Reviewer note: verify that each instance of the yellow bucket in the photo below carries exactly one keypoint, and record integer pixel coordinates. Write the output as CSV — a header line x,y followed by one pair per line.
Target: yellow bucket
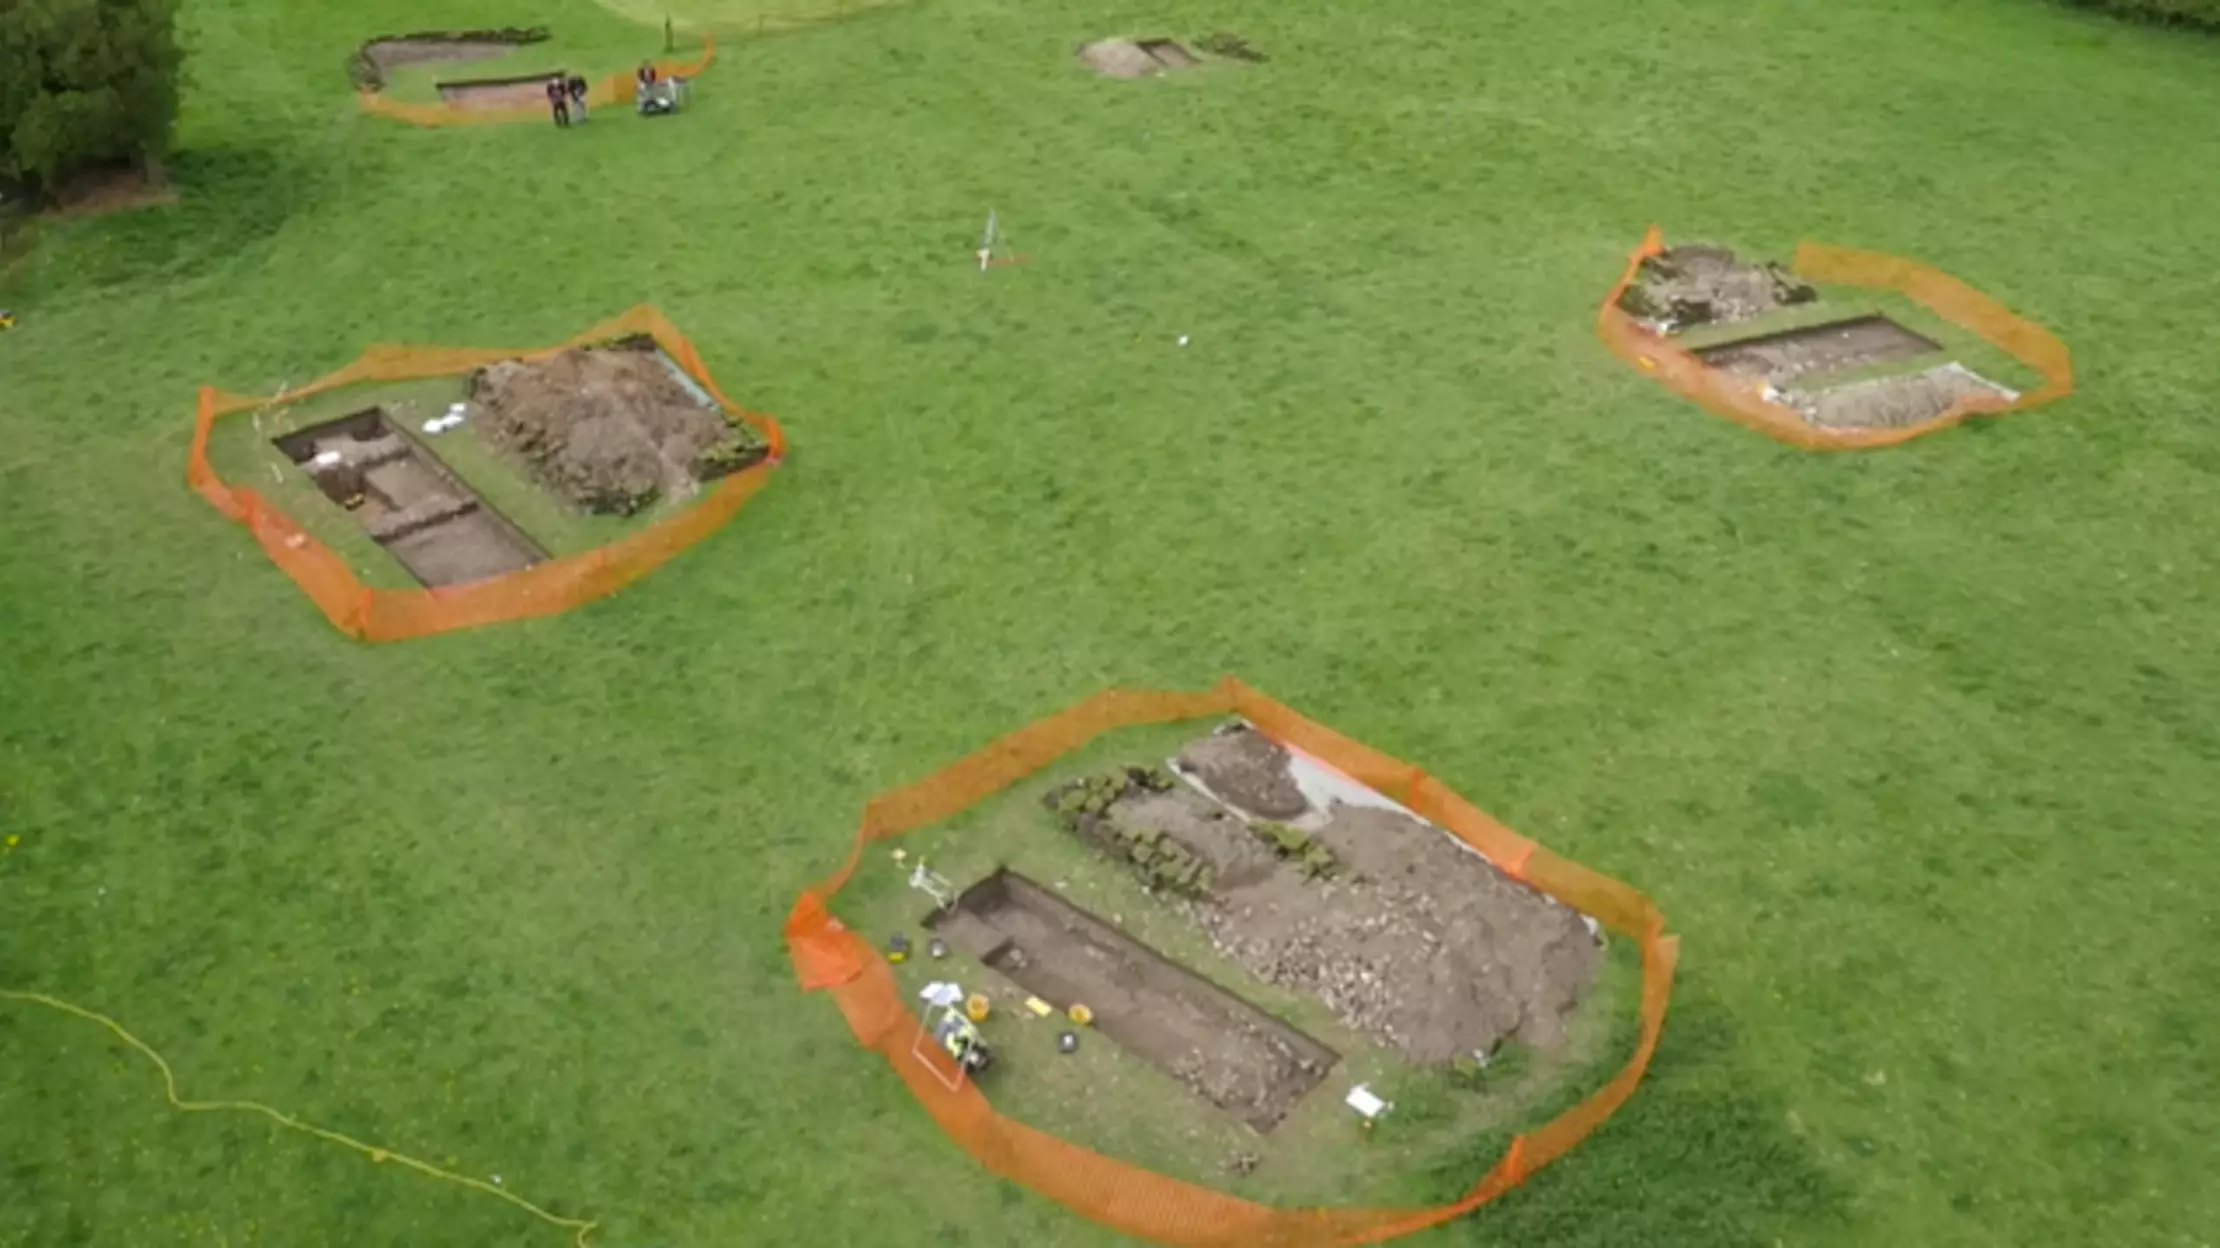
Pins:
x,y
976,1007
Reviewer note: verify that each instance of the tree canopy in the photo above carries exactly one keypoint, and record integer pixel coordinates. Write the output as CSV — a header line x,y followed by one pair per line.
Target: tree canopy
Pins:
x,y
85,83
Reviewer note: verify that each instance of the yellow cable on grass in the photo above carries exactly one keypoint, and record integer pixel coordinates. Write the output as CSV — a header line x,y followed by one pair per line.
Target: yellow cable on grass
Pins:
x,y
580,1229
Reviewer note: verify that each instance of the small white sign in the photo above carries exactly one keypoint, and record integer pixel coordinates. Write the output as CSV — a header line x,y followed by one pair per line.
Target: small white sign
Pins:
x,y
1362,1099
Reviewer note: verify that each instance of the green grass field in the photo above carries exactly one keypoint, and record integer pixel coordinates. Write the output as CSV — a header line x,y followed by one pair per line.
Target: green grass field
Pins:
x,y
1917,749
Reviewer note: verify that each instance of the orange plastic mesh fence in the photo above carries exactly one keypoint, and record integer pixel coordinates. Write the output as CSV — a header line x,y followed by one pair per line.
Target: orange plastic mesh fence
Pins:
x,y
830,957
542,589
612,90
1742,399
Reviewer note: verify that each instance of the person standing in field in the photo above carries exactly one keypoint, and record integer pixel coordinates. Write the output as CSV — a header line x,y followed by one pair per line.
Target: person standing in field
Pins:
x,y
558,101
577,89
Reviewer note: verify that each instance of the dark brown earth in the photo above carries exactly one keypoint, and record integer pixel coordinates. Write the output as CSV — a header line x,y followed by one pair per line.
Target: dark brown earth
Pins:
x,y
1893,402
1410,937
1697,284
1231,1053
1426,946
1834,347
408,501
611,429
1247,769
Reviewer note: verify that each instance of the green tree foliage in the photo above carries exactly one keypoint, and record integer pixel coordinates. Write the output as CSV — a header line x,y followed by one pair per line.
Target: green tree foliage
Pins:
x,y
2204,13
85,83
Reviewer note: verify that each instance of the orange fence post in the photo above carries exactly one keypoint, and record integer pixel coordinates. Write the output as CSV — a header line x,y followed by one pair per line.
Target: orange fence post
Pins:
x,y
829,957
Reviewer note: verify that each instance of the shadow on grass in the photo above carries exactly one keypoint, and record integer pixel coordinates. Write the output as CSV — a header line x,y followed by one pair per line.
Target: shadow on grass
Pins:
x,y
228,199
1697,1158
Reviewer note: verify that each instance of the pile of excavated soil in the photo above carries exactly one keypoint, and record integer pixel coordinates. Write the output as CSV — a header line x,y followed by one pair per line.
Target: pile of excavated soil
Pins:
x,y
1248,769
1411,937
610,429
1696,284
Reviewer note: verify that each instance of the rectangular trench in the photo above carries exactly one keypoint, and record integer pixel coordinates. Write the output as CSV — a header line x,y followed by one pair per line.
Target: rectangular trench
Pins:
x,y
1223,1048
522,91
1835,347
408,501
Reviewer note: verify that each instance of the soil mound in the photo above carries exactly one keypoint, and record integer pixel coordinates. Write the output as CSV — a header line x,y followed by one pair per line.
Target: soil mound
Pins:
x,y
1247,769
1423,944
611,429
1402,931
1698,284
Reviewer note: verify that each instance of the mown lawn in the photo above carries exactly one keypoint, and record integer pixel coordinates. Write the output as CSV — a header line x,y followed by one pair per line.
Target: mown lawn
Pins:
x,y
1917,749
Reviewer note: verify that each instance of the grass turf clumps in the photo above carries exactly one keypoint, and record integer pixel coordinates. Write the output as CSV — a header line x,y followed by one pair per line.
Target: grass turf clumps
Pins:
x,y
1083,807
1296,846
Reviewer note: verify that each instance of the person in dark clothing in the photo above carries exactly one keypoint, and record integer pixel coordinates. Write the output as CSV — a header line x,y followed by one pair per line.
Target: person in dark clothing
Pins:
x,y
558,100
577,89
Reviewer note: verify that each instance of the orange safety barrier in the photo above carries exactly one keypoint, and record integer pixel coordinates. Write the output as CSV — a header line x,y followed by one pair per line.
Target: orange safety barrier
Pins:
x,y
612,90
542,589
1743,400
830,957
